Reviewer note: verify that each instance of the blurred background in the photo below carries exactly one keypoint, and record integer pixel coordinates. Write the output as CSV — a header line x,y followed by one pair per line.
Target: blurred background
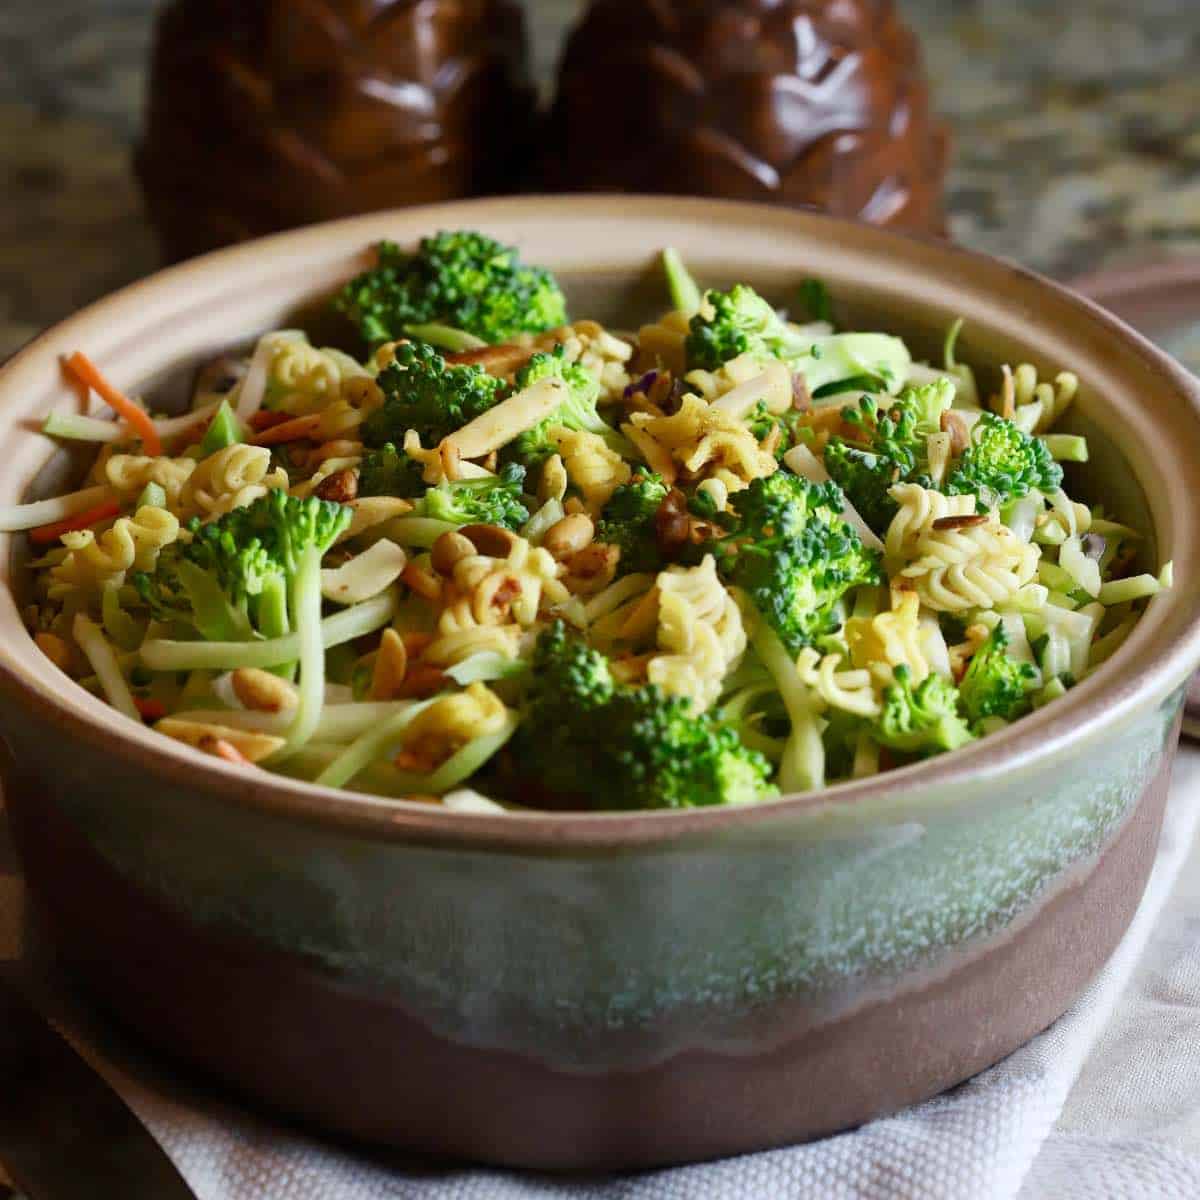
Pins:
x,y
1075,135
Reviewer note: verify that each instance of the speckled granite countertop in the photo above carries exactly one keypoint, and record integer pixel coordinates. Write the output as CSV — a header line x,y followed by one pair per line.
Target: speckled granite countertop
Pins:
x,y
1077,136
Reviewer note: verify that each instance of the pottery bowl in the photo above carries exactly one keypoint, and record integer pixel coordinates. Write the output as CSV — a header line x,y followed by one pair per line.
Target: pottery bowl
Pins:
x,y
611,990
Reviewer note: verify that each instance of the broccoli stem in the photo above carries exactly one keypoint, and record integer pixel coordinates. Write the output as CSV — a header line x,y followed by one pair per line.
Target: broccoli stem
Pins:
x,y
802,766
306,611
459,766
369,746
685,292
273,619
445,337
1066,447
162,654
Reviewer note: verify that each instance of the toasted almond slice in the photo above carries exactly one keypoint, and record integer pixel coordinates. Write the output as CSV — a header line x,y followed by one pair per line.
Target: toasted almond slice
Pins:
x,y
495,360
373,510
365,575
773,387
510,418
250,744
290,431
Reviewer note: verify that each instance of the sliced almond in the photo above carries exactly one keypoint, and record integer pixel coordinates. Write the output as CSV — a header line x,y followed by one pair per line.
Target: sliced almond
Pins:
x,y
508,419
341,486
422,581
495,360
773,388
365,575
962,521
373,510
250,744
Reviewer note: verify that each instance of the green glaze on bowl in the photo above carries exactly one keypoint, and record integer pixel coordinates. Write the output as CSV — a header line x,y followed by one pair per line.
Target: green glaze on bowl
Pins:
x,y
614,989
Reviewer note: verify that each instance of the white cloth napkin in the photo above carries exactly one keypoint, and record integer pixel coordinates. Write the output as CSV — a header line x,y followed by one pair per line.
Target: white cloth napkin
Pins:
x,y
1106,1104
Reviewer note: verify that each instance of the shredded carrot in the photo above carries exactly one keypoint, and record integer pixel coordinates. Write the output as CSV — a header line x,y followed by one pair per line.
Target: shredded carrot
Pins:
x,y
45,535
226,750
88,373
265,418
151,709
289,431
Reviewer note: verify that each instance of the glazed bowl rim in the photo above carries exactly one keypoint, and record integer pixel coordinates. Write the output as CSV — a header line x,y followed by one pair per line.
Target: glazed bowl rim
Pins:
x,y
1098,702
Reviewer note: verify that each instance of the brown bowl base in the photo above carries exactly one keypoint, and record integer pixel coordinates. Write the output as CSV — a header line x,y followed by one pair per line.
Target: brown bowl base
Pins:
x,y
339,1058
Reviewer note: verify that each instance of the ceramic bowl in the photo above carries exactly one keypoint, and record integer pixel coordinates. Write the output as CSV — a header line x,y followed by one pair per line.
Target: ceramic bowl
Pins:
x,y
611,990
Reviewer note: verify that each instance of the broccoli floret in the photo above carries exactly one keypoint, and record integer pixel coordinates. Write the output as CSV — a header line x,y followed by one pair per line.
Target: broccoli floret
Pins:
x,y
794,556
265,560
421,392
891,449
386,471
737,322
1003,463
577,411
628,521
789,423
996,684
589,739
496,500
920,720
740,321
463,280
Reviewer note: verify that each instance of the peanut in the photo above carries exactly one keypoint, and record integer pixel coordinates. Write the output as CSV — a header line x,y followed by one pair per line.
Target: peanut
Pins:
x,y
421,581
54,648
591,569
262,691
492,540
569,536
391,665
450,548
340,487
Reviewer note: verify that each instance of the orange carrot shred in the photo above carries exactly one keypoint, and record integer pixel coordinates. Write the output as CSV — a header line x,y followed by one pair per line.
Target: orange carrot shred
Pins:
x,y
228,751
45,535
88,373
150,708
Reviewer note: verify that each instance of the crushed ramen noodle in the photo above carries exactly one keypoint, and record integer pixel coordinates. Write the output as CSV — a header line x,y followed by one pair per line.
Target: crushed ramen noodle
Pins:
x,y
728,557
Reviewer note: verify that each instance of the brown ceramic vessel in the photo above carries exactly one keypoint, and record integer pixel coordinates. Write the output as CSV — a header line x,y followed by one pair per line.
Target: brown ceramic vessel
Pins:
x,y
265,115
804,102
608,990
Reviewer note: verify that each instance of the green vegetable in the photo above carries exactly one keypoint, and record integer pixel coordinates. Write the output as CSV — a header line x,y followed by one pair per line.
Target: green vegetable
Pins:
x,y
421,392
577,411
817,302
996,684
585,738
891,449
685,293
444,337
256,569
386,471
496,500
222,431
628,522
921,720
463,280
794,556
153,496
740,321
1002,463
